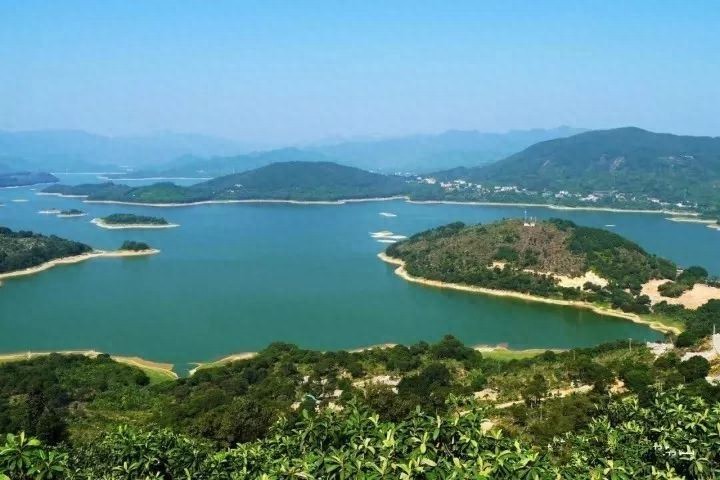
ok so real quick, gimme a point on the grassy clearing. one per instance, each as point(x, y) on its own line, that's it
point(664, 320)
point(505, 355)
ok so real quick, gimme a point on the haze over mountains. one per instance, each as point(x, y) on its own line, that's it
point(174, 155)
point(77, 151)
point(638, 165)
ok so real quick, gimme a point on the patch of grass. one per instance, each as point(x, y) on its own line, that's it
point(156, 376)
point(504, 355)
point(664, 320)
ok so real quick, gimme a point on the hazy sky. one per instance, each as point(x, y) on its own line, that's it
point(295, 71)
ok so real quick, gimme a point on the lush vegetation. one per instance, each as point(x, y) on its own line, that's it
point(508, 255)
point(17, 179)
point(132, 219)
point(23, 249)
point(72, 211)
point(630, 160)
point(135, 246)
point(312, 181)
point(293, 413)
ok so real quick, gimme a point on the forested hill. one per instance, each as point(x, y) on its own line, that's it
point(671, 167)
point(23, 249)
point(19, 179)
point(311, 181)
point(553, 246)
point(510, 255)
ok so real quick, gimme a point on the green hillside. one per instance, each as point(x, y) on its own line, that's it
point(674, 168)
point(293, 413)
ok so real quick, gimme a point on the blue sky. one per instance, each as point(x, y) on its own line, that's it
point(297, 71)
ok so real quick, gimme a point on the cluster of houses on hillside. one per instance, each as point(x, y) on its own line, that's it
point(600, 196)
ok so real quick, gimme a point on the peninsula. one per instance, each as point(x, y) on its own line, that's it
point(132, 221)
point(21, 179)
point(26, 253)
point(554, 261)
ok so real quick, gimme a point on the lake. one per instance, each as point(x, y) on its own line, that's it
point(233, 278)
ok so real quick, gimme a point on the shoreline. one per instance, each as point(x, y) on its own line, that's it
point(221, 202)
point(691, 220)
point(401, 272)
point(133, 179)
point(552, 206)
point(77, 259)
point(61, 195)
point(70, 215)
point(102, 224)
point(407, 199)
point(165, 369)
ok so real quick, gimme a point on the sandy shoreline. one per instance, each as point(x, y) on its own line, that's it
point(165, 369)
point(71, 215)
point(113, 179)
point(381, 199)
point(221, 202)
point(77, 259)
point(685, 219)
point(102, 224)
point(554, 207)
point(401, 272)
point(61, 195)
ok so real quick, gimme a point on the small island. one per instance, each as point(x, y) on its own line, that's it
point(71, 213)
point(556, 261)
point(129, 220)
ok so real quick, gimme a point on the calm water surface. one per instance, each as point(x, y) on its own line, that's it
point(233, 278)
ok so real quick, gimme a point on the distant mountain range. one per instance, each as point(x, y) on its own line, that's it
point(416, 153)
point(671, 167)
point(199, 167)
point(426, 153)
point(77, 151)
point(625, 167)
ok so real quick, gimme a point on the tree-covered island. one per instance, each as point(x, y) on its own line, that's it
point(133, 246)
point(132, 219)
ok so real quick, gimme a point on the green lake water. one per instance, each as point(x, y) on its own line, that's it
point(234, 278)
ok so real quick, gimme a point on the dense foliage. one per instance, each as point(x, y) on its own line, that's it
point(132, 219)
point(652, 432)
point(23, 249)
point(35, 394)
